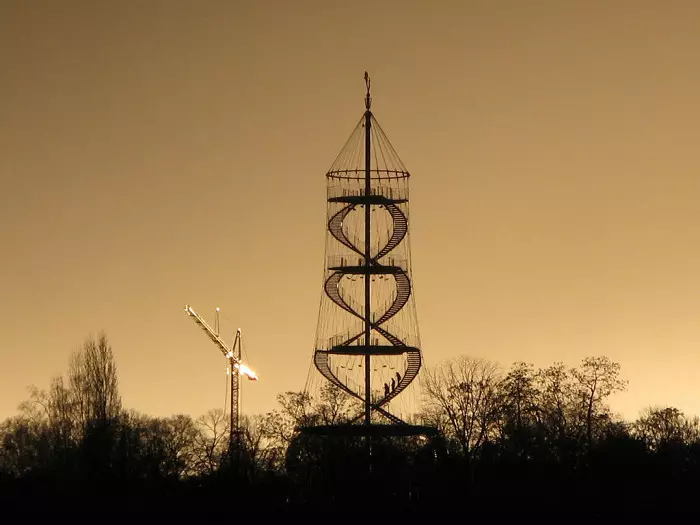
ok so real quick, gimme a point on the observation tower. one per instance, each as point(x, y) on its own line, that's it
point(367, 339)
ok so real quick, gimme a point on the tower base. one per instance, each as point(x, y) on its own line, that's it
point(369, 430)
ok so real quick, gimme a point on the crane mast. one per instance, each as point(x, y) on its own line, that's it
point(237, 368)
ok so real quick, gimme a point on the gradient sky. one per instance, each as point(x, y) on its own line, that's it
point(156, 153)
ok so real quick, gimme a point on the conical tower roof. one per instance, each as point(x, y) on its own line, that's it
point(385, 163)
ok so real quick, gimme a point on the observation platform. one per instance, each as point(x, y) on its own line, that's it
point(367, 199)
point(372, 269)
point(369, 350)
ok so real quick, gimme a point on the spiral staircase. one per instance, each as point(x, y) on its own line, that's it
point(366, 180)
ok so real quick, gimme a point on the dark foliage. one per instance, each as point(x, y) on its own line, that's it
point(519, 445)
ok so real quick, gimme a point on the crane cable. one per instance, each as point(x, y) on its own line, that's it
point(226, 390)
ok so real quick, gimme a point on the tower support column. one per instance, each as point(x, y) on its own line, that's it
point(368, 247)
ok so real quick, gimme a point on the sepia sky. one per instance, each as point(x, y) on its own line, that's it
point(162, 152)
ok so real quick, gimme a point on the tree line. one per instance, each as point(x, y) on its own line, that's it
point(538, 442)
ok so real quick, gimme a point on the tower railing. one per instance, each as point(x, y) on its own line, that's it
point(339, 261)
point(389, 192)
point(340, 338)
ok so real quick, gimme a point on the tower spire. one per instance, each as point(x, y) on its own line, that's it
point(368, 98)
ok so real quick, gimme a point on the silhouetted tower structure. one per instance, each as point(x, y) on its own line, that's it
point(236, 369)
point(367, 340)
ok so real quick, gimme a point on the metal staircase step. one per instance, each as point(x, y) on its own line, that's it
point(400, 229)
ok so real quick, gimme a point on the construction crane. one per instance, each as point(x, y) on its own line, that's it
point(237, 368)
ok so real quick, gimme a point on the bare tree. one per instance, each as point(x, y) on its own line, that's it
point(61, 414)
point(465, 391)
point(298, 409)
point(92, 376)
point(36, 408)
point(160, 448)
point(20, 446)
point(657, 426)
point(180, 436)
point(520, 394)
point(595, 380)
point(279, 426)
point(333, 405)
point(555, 393)
point(211, 441)
point(262, 452)
point(520, 415)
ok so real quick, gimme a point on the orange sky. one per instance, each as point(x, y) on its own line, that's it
point(159, 153)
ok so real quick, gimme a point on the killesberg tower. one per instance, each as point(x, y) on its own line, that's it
point(367, 339)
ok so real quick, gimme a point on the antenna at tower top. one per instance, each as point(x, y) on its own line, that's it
point(368, 98)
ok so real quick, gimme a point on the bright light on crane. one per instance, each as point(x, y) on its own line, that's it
point(245, 371)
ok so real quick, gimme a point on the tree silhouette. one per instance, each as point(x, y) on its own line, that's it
point(92, 377)
point(521, 443)
point(462, 398)
point(658, 426)
point(212, 440)
point(596, 380)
